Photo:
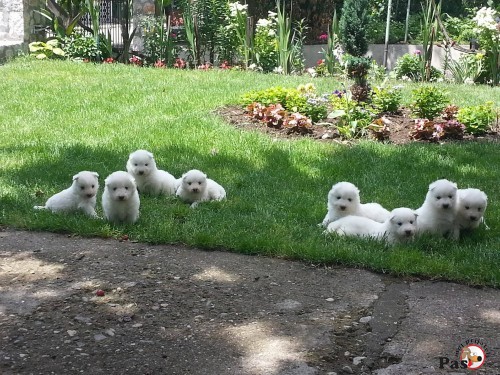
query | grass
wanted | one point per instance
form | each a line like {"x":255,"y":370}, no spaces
{"x":57,"y":118}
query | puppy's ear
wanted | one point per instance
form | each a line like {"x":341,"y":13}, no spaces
{"x":76,"y":176}
{"x":150,"y":155}
{"x":485,"y":197}
{"x":95,"y":174}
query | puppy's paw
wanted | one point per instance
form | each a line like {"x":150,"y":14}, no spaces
{"x":194,"y":204}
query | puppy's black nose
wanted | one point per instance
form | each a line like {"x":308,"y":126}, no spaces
{"x":473,"y":218}
{"x":121,"y":197}
{"x":446,"y":205}
{"x":342,"y":208}
{"x":89,"y":195}
{"x":195,"y":190}
{"x":141,"y":172}
{"x":408,"y":232}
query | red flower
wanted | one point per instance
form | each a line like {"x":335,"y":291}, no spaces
{"x":109,"y":60}
{"x":159,"y":64}
{"x":225,"y":65}
{"x":135,"y":60}
{"x":179,"y":63}
{"x":323,"y":37}
{"x":320,"y":62}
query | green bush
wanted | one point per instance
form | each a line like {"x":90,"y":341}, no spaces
{"x":428,"y":102}
{"x":410,"y":66}
{"x":77,"y":46}
{"x":386,"y":100}
{"x":42,"y":50}
{"x":353,"y":26}
{"x":477,"y":119}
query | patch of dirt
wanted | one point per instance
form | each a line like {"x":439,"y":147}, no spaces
{"x":400,"y":125}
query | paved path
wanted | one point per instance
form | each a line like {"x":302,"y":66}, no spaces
{"x":176,"y":310}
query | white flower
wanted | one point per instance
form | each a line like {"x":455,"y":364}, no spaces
{"x":485,"y":19}
{"x":312,"y":72}
{"x":263,"y":23}
{"x":272,"y":14}
{"x":440,"y":79}
{"x":278,"y":70}
{"x":236,"y":8}
{"x":271,"y":32}
{"x":469,"y":81}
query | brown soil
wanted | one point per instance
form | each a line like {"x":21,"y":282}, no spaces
{"x":400,"y":125}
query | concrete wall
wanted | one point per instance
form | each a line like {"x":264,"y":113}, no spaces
{"x":314,"y":52}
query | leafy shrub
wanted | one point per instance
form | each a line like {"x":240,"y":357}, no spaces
{"x":77,"y":46}
{"x":450,"y":112}
{"x":302,"y":99}
{"x":275,"y":116}
{"x":477,"y":119}
{"x":467,"y":69}
{"x":386,"y":100}
{"x":428,"y":102}
{"x":42,"y":50}
{"x":353,"y":27}
{"x":429,"y":130}
{"x":411,"y":67}
{"x":353,"y":118}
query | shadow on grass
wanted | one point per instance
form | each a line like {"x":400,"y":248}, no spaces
{"x":277,"y":198}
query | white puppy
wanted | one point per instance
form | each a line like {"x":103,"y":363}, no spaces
{"x":438,"y":213}
{"x":343,"y":200}
{"x":81,"y":195}
{"x":195,"y":187}
{"x":120,"y":200}
{"x":149,"y":179}
{"x":401,"y":226}
{"x":471,"y":206}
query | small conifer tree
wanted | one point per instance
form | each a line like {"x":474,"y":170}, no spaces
{"x":353,"y":27}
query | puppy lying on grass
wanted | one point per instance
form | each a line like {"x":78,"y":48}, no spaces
{"x":81,"y":195}
{"x":195,"y":187}
{"x":401,"y":226}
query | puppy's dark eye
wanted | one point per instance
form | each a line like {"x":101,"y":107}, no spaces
{"x":438,"y":197}
{"x":135,"y":164}
{"x":479,"y":209}
{"x":146,"y":164}
{"x":189,"y":183}
{"x":338,"y":197}
{"x":467,"y":207}
{"x":400,"y":223}
{"x":126,"y":187}
{"x":349,"y":199}
{"x":93,"y":186}
{"x":114,"y":189}
{"x":82,"y":187}
{"x":450,"y":196}
{"x":200,"y":182}
{"x":411,"y":221}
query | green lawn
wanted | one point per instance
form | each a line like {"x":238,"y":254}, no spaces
{"x":57,"y":118}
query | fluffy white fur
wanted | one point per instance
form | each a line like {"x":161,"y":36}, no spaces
{"x":471,"y":206}
{"x":343,"y":200}
{"x":149,"y":179}
{"x":438,"y":213}
{"x":401,"y":226}
{"x":81,"y":195}
{"x":120,"y":200}
{"x":195,"y":187}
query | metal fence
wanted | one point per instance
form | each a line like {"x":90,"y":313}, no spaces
{"x":115,"y":20}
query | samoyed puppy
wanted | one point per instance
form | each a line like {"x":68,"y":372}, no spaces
{"x":471,"y":206}
{"x":81,"y":195}
{"x":149,"y":179}
{"x":195,"y":187}
{"x":120,"y":200}
{"x":438,"y":213}
{"x":401,"y":226}
{"x":343,"y":200}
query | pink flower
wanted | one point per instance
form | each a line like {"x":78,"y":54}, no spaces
{"x":323,"y":37}
{"x":417,"y":52}
{"x":179,"y":63}
{"x":225,"y":65}
{"x":159,"y":64}
{"x":109,"y":60}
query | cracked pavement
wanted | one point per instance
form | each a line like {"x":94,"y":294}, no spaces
{"x":176,"y":310}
